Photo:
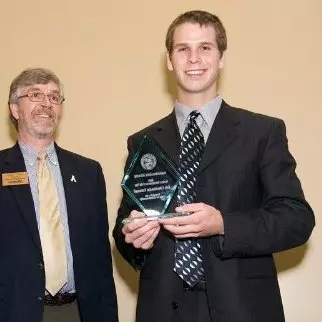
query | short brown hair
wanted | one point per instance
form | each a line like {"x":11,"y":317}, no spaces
{"x":30,"y":76}
{"x":203,"y":18}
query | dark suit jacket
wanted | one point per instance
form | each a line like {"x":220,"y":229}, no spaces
{"x":248,"y":174}
{"x":22,"y":276}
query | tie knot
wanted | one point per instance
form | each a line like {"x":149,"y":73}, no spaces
{"x":193,"y":115}
{"x":42,"y":156}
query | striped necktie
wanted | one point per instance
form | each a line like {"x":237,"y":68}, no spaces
{"x":188,"y":260}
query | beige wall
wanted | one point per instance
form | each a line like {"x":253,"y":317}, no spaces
{"x":110,"y":56}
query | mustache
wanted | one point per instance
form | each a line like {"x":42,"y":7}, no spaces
{"x":44,"y":111}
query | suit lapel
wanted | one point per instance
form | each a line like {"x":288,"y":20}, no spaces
{"x":224,"y":131}
{"x":22,"y":193}
{"x":168,"y":137}
{"x":70,"y":177}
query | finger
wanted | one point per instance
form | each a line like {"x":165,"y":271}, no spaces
{"x":192,"y":235}
{"x":181,"y":220}
{"x":191,"y":207}
{"x":131,"y":226}
{"x":180,"y":230}
{"x":149,"y":243}
{"x":141,"y":230}
{"x":130,"y":237}
{"x":139,"y":242}
{"x":137,"y":214}
{"x":134,"y":225}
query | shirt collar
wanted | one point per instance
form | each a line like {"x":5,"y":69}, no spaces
{"x":208,"y":111}
{"x":30,"y":154}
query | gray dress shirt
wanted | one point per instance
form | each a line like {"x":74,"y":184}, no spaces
{"x":208,"y":113}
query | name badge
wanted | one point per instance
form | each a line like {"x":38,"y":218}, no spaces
{"x":15,"y":179}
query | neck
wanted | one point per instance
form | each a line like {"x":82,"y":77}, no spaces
{"x":39,"y":144}
{"x":195,"y":100}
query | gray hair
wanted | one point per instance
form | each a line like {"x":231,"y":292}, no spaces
{"x":30,"y":76}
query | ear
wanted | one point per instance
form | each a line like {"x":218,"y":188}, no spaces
{"x":14,"y":109}
{"x":169,"y":63}
{"x":222,"y":60}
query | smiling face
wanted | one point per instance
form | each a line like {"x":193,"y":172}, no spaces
{"x":37,"y":120}
{"x":195,"y":61}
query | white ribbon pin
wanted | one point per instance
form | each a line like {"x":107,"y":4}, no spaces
{"x":73,"y":179}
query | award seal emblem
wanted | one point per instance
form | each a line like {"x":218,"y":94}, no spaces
{"x":148,"y":161}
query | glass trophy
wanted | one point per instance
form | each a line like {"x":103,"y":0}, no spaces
{"x":151,"y":181}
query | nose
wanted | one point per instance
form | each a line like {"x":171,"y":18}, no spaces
{"x":194,"y":56}
{"x":46,"y":101}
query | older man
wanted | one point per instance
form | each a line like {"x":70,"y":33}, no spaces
{"x":55,"y":258}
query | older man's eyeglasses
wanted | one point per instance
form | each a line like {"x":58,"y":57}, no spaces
{"x":39,"y":97}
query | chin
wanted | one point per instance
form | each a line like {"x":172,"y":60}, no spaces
{"x":194,"y":90}
{"x":44,"y":133}
{"x":194,"y":87}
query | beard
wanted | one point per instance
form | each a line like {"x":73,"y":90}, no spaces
{"x":39,"y":126}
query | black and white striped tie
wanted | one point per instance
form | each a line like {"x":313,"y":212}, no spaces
{"x":188,"y":260}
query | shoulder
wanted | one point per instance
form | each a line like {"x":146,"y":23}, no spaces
{"x":163,"y":123}
{"x":251,"y":121}
{"x":10,"y":153}
{"x":156,"y":125}
{"x":75,"y":158}
{"x":4,"y":153}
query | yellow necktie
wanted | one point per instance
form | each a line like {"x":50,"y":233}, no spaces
{"x":51,"y":230}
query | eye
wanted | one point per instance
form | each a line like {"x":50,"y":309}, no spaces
{"x":55,"y":98}
{"x":36,"y":95}
{"x":205,"y":47}
{"x":182,"y":49}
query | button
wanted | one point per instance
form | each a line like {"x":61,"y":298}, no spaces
{"x":174,"y":305}
{"x":39,"y":298}
{"x":41,"y":265}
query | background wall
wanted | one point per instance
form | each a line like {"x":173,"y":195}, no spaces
{"x":110,"y":57}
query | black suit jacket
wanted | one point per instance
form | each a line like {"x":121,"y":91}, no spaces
{"x":248,"y":174}
{"x":22,"y":276}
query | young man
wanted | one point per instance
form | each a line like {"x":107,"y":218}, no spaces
{"x":239,"y":185}
{"x":55,"y":258}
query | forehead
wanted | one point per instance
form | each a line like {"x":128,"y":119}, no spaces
{"x":194,"y":33}
{"x":49,"y":87}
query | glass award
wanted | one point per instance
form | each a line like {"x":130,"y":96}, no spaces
{"x":151,"y":181}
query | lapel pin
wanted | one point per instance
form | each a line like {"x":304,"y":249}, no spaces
{"x":73,"y":179}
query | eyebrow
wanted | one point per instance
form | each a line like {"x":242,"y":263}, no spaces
{"x":35,"y":88}
{"x":208,"y":43}
{"x":201,"y":43}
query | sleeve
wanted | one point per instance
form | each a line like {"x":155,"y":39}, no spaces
{"x":284,"y":220}
{"x":135,"y":257}
{"x":104,"y":262}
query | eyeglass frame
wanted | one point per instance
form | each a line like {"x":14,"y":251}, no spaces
{"x":29,"y":95}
